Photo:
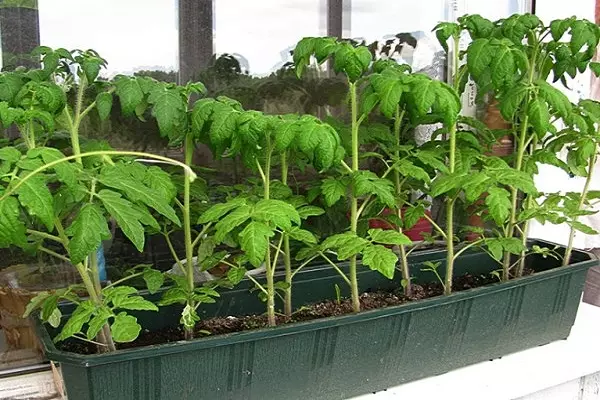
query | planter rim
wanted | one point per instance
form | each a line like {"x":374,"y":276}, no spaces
{"x":56,"y":354}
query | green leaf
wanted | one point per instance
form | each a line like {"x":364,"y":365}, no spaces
{"x":555,"y":98}
{"x":173,"y":296}
{"x":431,"y":159}
{"x":87,"y":231}
{"x":511,"y":101}
{"x":310,"y":211}
{"x":367,"y":183}
{"x":224,"y":124}
{"x":236,"y":274}
{"x":160,"y":181}
{"x":10,"y":154}
{"x":302,"y":235}
{"x":125,"y":328}
{"x":581,"y":227}
{"x":409,"y":170}
{"x":444,"y":31}
{"x":35,"y":196}
{"x":345,"y":244}
{"x":54,"y":318}
{"x":503,"y":66}
{"x":80,"y":316}
{"x":352,"y":61}
{"x":154,"y":279}
{"x":539,"y":116}
{"x":412,"y":215}
{"x":126,"y":215}
{"x":389,"y":90}
{"x":133,"y":303}
{"x":189,"y":317}
{"x":130,"y":94}
{"x":254,"y":241}
{"x":215,"y":212}
{"x":35,"y":303}
{"x":498,"y":203}
{"x":323,"y":48}
{"x":559,"y":27}
{"x":10,"y":84}
{"x":116,"y":178}
{"x":169,"y":108}
{"x":277,"y":212}
{"x":333,"y":190}
{"x":97,"y":323}
{"x":479,"y":56}
{"x":445,"y":183}
{"x":517,"y":179}
{"x":424,"y":94}
{"x":104,"y":101}
{"x":232,"y":221}
{"x":388,"y":237}
{"x":12,"y":229}
{"x":302,"y":53}
{"x":65,"y":171}
{"x":91,"y":67}
{"x":380,"y":258}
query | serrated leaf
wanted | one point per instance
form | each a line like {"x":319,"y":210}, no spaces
{"x":388,"y":237}
{"x":80,"y":316}
{"x":189,"y":317}
{"x":254,"y":241}
{"x":539,"y":116}
{"x":333,"y":190}
{"x":10,"y":154}
{"x":277,"y":212}
{"x":232,"y":221}
{"x":367,"y":183}
{"x":104,"y":101}
{"x":126,"y":215}
{"x":499,"y":205}
{"x":302,"y":235}
{"x":389,"y":90}
{"x":409,"y":170}
{"x":503,"y":66}
{"x":345,"y":244}
{"x":445,"y":183}
{"x":154,"y":279}
{"x":35,"y":196}
{"x":125,"y":328}
{"x":479,"y":57}
{"x":581,"y":227}
{"x":381,"y":259}
{"x":160,"y":181}
{"x":555,"y":98}
{"x":12,"y":229}
{"x":87,"y":232}
{"x":130,"y":94}
{"x":133,"y":303}
{"x":169,"y":108}
{"x":116,"y":178}
{"x":65,"y":171}
{"x":215,"y":212}
{"x":310,"y":211}
{"x":411,"y":216}
{"x":236,"y":274}
{"x":97,"y":323}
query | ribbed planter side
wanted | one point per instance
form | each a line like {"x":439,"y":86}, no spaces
{"x":340,"y":357}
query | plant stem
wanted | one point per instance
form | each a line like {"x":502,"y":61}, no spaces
{"x":582,"y":200}
{"x":398,"y":184}
{"x":187,"y":231}
{"x":77,"y":118}
{"x":353,"y":199}
{"x":514,"y":195}
{"x":269,"y":268}
{"x":452,"y":163}
{"x":287,"y":257}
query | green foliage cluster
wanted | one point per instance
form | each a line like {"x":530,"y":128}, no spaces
{"x":59,"y":200}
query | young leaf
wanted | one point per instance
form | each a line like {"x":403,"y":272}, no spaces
{"x":160,"y":181}
{"x":310,"y":211}
{"x":581,"y":227}
{"x":479,"y":56}
{"x":380,"y":258}
{"x":388,"y":237}
{"x":35,"y":196}
{"x":87,"y":231}
{"x":104,"y":101}
{"x":125,"y":328}
{"x":169,"y":108}
{"x":346,"y":244}
{"x":130,"y":94}
{"x":302,"y":235}
{"x":12,"y":230}
{"x":127,"y":217}
{"x":539,"y":116}
{"x":232,"y":221}
{"x":333,"y":190}
{"x":116,"y":178}
{"x":189,"y":317}
{"x":499,"y":205}
{"x":254,"y":241}
{"x":154,"y":279}
{"x":80,"y":316}
{"x":412,"y":215}
{"x":277,"y":212}
{"x":97,"y":322}
{"x":236,"y":274}
{"x":367,"y":183}
{"x":215,"y":212}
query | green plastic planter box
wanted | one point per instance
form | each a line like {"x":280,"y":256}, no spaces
{"x":339,"y":357}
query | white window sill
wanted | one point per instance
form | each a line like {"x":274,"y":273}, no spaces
{"x":515,"y":375}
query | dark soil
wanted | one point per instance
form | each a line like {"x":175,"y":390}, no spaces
{"x":329,"y":308}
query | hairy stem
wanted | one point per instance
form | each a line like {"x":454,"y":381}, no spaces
{"x":187,"y":231}
{"x":287,"y":257}
{"x":582,"y":200}
{"x":269,"y":268}
{"x":353,"y":199}
{"x":451,"y":166}
{"x":398,"y":185}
